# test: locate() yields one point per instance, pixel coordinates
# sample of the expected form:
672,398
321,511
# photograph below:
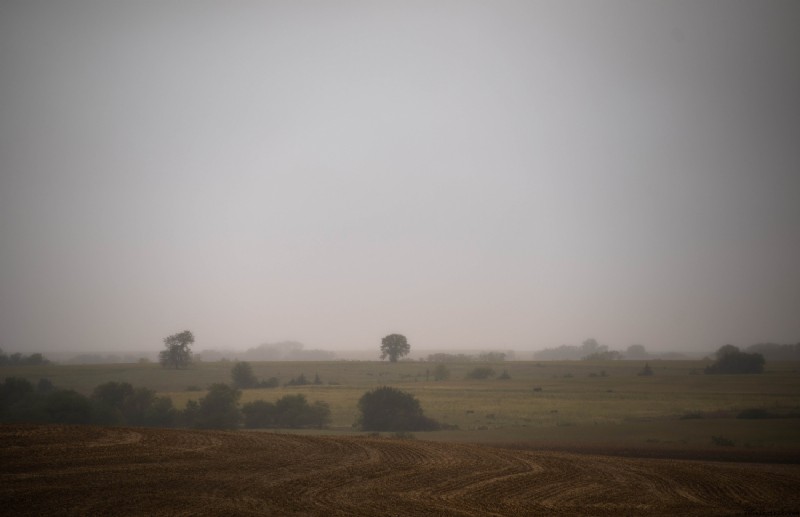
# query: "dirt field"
63,470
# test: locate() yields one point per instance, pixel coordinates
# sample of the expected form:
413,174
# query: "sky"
471,174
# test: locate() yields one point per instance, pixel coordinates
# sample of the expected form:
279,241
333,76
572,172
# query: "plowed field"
64,470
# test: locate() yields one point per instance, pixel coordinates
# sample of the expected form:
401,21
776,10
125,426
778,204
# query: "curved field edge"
63,470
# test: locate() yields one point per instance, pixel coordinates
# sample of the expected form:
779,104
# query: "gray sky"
470,174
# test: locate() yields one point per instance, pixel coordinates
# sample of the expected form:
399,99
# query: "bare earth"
73,470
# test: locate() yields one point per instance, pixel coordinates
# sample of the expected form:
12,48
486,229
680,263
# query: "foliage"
480,372
492,357
17,397
300,380
177,353
754,414
606,355
776,352
219,409
730,360
290,411
121,404
243,377
722,441
442,357
636,352
67,407
272,382
22,360
295,411
394,346
390,409
568,352
441,373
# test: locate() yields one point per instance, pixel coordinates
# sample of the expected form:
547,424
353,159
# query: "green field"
569,402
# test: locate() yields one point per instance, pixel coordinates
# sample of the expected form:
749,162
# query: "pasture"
554,404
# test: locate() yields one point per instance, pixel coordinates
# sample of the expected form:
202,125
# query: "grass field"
556,403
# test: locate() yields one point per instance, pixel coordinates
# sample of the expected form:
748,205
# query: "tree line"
22,360
120,403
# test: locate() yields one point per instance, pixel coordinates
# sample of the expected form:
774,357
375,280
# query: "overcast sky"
483,175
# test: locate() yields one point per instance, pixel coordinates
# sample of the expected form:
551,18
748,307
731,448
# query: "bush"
259,414
441,373
219,409
300,380
290,411
730,360
389,409
754,413
67,407
721,441
243,377
481,372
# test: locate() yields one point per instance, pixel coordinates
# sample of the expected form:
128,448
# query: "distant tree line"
119,403
22,360
483,357
776,352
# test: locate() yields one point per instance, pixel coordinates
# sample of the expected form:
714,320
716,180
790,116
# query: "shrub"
646,371
290,411
219,408
480,372
389,409
67,407
259,414
440,372
300,380
754,413
272,382
243,377
721,441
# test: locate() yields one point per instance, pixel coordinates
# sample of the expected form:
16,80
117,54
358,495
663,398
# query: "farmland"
74,470
556,404
556,438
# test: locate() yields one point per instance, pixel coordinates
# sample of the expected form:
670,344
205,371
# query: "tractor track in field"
75,470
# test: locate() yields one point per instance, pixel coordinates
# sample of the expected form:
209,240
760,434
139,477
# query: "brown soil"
73,470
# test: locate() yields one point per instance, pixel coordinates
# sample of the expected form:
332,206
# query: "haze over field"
471,174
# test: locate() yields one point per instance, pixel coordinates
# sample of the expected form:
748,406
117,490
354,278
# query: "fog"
474,175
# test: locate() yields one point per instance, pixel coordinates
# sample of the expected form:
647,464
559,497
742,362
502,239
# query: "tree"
243,376
636,352
389,409
177,353
394,346
731,360
290,411
259,414
219,409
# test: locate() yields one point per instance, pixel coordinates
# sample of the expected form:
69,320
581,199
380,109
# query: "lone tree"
394,346
177,353
389,409
731,360
243,376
